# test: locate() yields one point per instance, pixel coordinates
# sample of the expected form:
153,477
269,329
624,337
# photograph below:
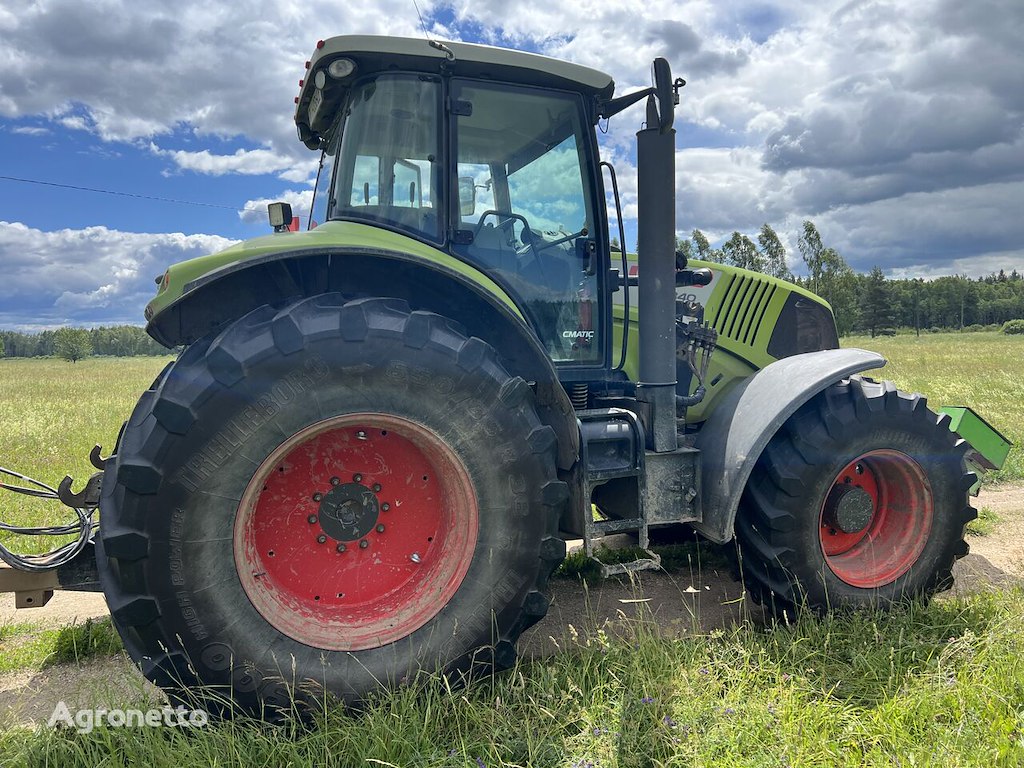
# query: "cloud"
88,276
246,162
896,126
140,70
30,130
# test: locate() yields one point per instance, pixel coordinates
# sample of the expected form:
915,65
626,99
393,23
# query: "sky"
897,127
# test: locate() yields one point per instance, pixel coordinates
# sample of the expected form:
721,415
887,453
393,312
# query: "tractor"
386,423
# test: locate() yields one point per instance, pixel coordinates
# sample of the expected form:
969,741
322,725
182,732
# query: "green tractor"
383,428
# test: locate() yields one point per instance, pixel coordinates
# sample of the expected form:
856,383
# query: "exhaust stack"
656,181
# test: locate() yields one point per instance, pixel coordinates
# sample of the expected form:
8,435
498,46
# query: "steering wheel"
505,220
545,244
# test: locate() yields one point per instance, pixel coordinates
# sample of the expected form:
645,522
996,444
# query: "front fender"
741,425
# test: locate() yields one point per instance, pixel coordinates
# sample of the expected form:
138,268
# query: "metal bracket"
88,497
96,460
32,589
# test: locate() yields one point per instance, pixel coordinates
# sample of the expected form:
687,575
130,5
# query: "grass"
982,370
51,414
940,685
26,646
984,524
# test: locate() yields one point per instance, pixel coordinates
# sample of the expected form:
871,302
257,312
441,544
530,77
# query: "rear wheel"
860,499
332,495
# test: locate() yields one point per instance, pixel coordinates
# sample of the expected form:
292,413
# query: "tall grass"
51,414
940,685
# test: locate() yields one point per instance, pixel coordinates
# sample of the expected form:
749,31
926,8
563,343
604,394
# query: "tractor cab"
446,149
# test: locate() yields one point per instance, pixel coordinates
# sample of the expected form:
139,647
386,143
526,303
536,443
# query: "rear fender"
746,418
472,299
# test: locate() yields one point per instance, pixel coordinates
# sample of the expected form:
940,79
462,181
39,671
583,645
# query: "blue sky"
898,127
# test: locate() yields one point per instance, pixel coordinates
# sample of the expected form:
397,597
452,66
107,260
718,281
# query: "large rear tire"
859,500
329,496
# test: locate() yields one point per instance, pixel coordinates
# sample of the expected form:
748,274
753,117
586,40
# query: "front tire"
859,500
331,495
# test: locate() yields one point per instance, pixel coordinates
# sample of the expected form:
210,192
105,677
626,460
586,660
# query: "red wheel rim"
356,531
876,518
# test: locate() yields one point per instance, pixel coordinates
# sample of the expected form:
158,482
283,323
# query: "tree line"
871,303
76,343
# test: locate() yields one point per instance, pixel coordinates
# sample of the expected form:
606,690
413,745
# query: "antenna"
423,26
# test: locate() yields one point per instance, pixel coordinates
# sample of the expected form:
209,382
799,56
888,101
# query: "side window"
524,213
390,155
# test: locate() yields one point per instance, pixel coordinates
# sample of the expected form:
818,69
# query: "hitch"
72,565
87,498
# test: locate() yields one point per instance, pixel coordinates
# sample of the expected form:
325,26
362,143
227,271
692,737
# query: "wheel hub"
348,512
849,508
356,531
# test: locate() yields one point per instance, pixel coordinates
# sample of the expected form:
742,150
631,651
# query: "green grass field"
941,685
51,414
982,370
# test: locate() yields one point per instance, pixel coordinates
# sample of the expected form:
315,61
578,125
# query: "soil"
681,603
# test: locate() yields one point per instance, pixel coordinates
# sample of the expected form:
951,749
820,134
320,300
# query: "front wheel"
860,499
329,496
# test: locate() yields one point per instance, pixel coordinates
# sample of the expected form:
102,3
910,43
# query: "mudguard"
741,425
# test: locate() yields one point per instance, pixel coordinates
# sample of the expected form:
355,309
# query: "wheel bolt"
341,547
357,478
380,527
335,481
311,519
415,557
361,435
364,544
317,496
385,506
376,487
321,539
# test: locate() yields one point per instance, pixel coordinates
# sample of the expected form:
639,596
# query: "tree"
741,252
812,251
830,277
72,344
774,253
876,309
704,250
684,248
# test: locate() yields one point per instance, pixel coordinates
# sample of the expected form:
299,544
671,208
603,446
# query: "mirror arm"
614,106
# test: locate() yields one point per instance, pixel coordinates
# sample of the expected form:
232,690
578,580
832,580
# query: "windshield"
524,211
390,152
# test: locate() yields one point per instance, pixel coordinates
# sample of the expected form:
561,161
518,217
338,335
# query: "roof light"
341,68
319,44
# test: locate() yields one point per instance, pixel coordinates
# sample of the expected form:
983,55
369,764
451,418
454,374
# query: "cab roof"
314,113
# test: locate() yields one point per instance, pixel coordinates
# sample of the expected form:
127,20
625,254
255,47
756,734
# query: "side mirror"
467,195
280,216
664,92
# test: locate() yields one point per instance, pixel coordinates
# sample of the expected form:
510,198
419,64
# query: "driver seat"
492,248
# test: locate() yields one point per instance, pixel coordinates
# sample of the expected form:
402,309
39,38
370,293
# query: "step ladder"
612,448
